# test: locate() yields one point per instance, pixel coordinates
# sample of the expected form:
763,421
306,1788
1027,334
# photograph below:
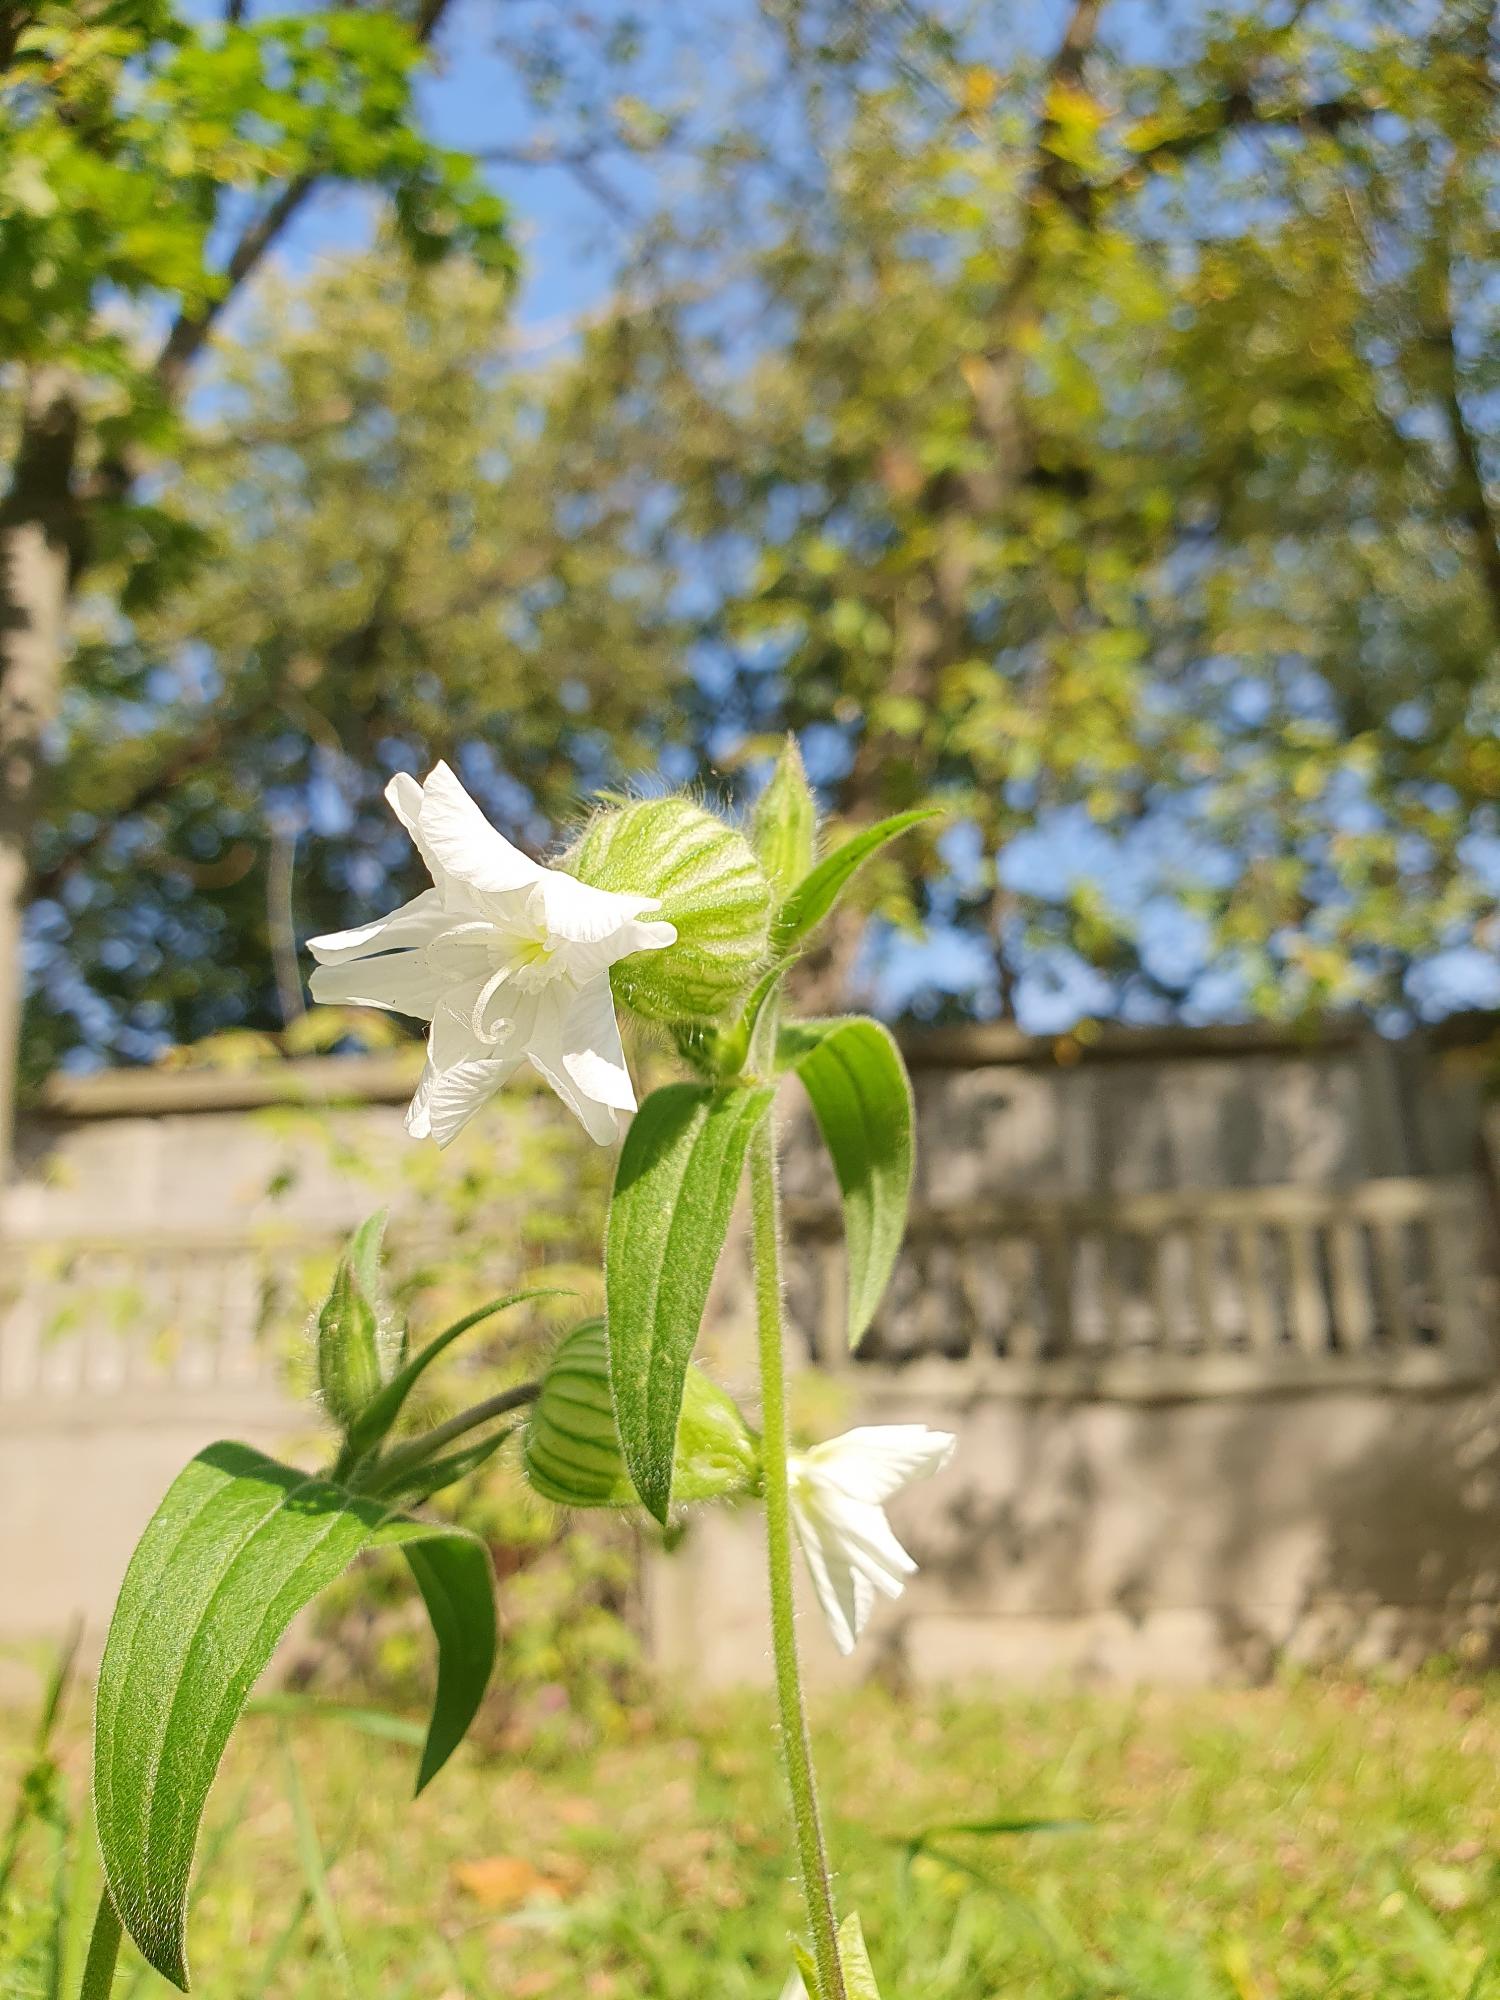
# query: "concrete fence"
1213,1315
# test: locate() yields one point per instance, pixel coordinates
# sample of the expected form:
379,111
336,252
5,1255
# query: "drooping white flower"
508,960
839,1490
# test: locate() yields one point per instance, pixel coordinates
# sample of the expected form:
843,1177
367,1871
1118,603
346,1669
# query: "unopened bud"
784,826
573,1455
710,886
358,1337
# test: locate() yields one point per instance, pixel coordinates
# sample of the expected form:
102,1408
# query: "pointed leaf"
815,895
804,1983
457,1584
861,1096
435,1474
238,1546
674,1191
378,1415
854,1959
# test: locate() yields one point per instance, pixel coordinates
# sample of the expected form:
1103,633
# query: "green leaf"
238,1546
951,1829
674,1190
364,1253
318,1708
859,1978
435,1474
854,1962
377,1417
815,895
732,1050
457,1584
861,1096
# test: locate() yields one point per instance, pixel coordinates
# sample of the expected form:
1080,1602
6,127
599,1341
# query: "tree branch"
190,331
1475,509
1238,111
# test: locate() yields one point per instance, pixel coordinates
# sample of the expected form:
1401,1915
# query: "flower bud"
572,1453
358,1337
710,886
784,826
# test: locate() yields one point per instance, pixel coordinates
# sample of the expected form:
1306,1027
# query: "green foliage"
675,1186
854,1961
375,1418
861,1097
237,1547
810,902
107,109
1317,1837
1116,451
385,495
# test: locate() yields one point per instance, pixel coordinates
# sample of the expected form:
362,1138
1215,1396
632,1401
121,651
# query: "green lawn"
1301,1841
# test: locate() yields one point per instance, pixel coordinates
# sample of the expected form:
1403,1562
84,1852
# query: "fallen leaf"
505,1881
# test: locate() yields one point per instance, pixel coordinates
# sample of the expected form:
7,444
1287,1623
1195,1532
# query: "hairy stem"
418,1450
817,1886
104,1950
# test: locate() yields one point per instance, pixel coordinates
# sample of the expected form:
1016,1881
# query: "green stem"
104,1949
817,1885
417,1451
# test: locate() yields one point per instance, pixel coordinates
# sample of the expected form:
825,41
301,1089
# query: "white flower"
508,960
839,1490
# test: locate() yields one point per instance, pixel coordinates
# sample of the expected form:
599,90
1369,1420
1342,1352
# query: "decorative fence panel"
1192,1291
141,1323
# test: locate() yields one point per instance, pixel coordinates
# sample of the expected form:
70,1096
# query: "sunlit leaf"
675,1186
815,895
861,1096
236,1549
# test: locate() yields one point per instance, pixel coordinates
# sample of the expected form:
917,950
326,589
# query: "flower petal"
592,1053
548,1048
474,1022
456,833
868,1542
875,1461
446,1099
400,981
415,923
846,1597
576,912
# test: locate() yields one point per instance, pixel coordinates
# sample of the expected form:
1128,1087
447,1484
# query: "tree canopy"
151,156
1099,441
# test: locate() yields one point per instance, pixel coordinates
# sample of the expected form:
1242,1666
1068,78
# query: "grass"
1302,1841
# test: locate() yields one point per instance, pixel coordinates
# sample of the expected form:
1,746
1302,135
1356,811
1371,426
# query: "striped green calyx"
710,886
572,1452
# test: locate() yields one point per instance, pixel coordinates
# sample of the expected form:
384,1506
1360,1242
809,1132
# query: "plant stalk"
104,1951
817,1885
417,1451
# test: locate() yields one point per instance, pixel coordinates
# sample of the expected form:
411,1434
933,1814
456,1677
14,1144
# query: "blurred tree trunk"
36,559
